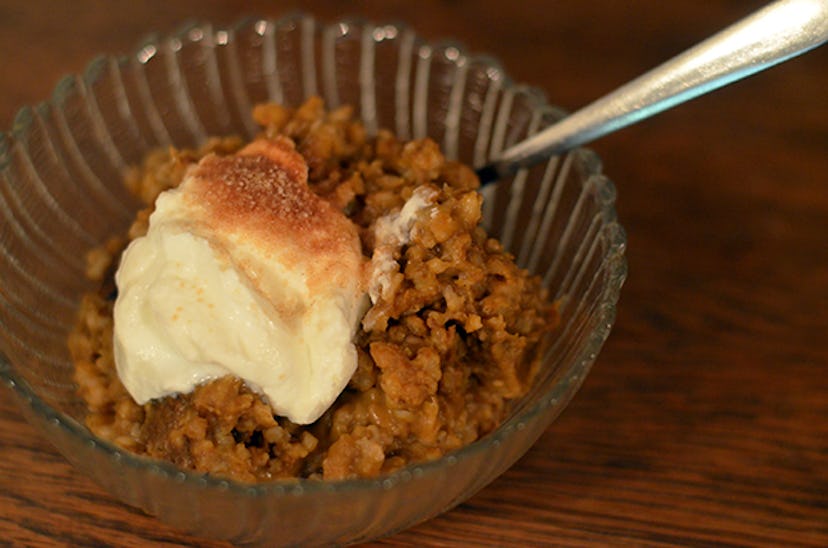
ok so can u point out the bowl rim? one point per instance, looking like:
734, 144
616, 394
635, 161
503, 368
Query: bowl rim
558, 395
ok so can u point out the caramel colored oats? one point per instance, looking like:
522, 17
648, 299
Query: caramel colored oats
440, 358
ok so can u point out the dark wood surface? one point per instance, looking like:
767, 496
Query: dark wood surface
705, 418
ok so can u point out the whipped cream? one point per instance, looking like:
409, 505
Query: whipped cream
391, 232
243, 271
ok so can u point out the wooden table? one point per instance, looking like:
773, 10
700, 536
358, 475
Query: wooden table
705, 418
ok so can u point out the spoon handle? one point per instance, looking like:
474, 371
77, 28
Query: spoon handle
775, 33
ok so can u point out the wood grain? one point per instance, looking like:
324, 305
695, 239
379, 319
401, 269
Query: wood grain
705, 418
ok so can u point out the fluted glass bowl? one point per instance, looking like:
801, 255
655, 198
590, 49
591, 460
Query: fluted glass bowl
61, 194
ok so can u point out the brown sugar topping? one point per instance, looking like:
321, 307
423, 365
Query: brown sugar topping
262, 193
254, 190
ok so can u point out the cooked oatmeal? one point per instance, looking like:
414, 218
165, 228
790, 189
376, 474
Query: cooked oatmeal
452, 336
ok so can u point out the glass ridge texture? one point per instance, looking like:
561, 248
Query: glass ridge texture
61, 194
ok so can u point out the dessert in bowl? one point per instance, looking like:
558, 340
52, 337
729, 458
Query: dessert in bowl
64, 199
315, 303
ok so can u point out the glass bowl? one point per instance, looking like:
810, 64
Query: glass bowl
61, 194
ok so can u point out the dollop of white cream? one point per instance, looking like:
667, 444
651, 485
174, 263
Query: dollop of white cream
198, 300
391, 232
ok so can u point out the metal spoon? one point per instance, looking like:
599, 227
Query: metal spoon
775, 33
